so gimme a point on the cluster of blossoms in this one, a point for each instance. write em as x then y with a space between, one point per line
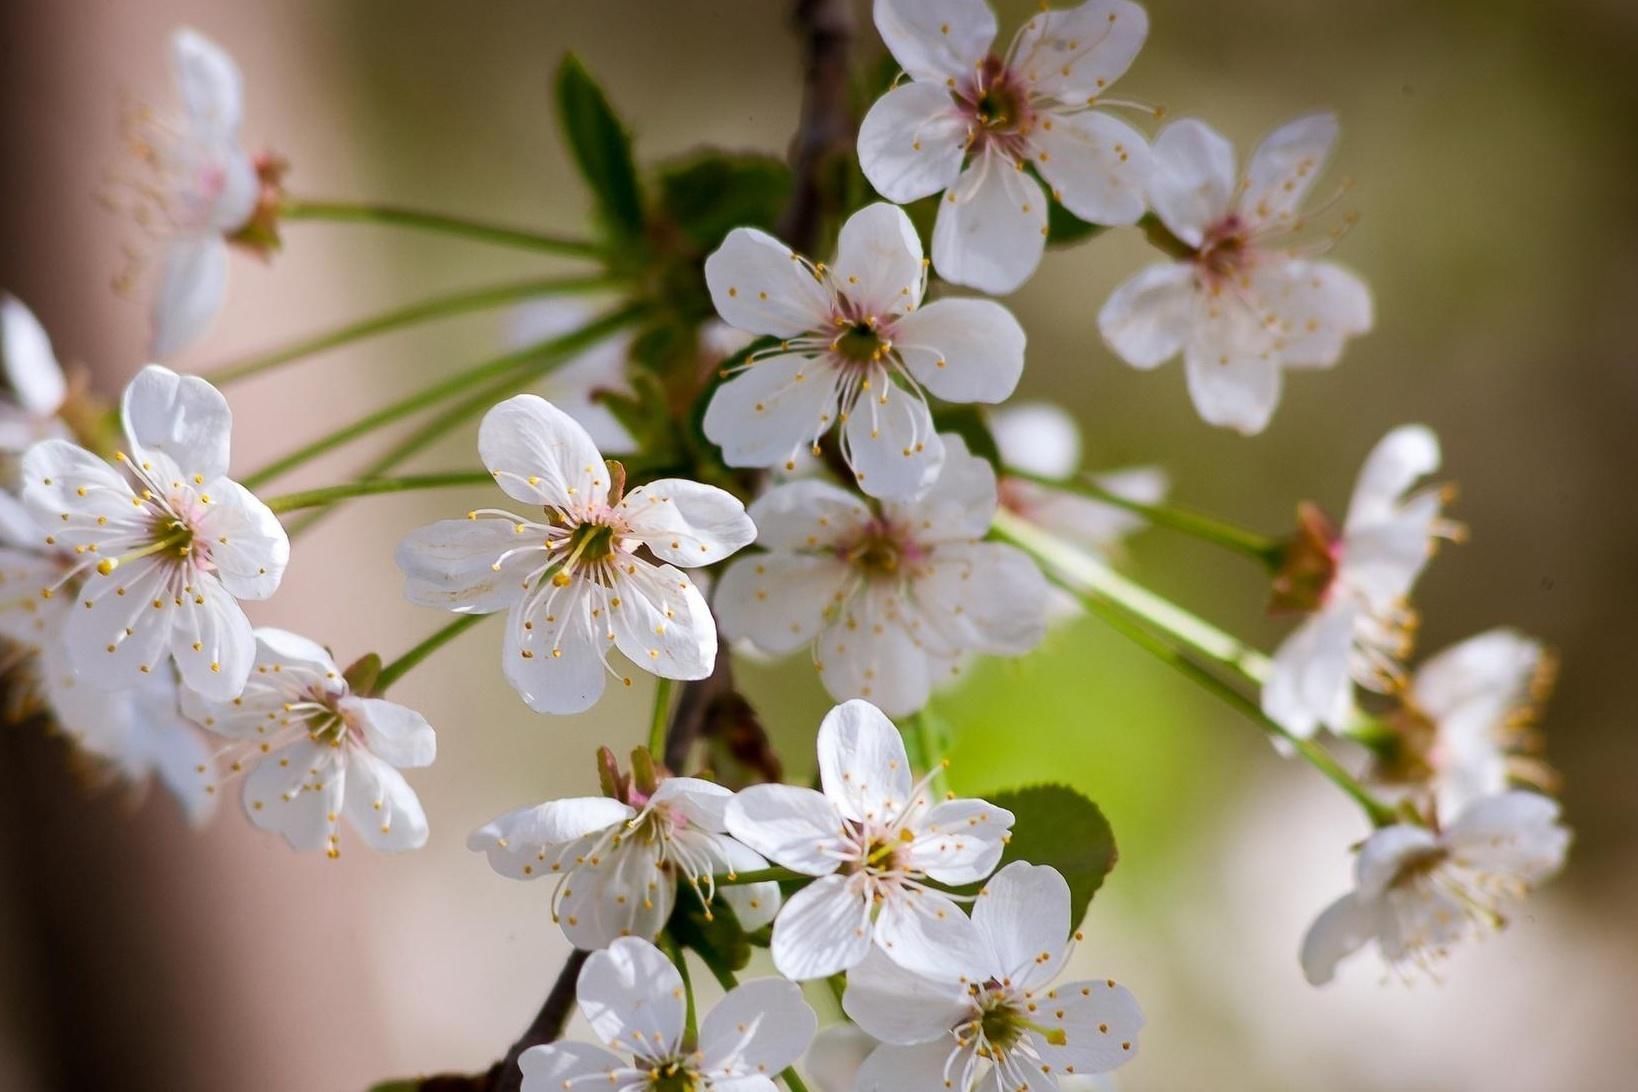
858 507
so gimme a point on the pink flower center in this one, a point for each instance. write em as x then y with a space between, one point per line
882 550
996 103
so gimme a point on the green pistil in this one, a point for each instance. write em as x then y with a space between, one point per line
860 344
672 1077
591 542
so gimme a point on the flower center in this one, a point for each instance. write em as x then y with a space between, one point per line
997 102
1226 251
880 551
1000 1021
860 343
672 1076
591 542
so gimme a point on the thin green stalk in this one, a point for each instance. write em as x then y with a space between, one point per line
728 980
423 311
401 666
930 741
758 875
318 498
1264 549
1155 636
524 363
679 959
659 720
397 216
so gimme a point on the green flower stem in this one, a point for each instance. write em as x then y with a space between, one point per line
426 310
1153 632
928 732
691 1030
759 875
659 720
1260 547
728 980
401 666
526 363
368 213
318 498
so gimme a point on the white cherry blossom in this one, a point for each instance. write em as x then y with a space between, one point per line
569 575
199 188
1041 438
873 839
636 1003
573 385
34 385
858 350
618 861
1247 298
833 1061
164 561
991 1018
1359 625
1467 717
968 122
893 597
1417 892
314 752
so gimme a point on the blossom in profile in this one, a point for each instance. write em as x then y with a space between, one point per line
35 388
991 1017
858 350
1417 891
313 752
1246 297
167 543
1465 728
980 127
618 859
570 576
1352 586
636 1003
874 840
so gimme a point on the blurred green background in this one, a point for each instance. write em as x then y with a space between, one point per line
1494 150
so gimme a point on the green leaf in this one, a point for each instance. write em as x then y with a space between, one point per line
601 147
719 940
1064 227
708 194
967 421
1055 825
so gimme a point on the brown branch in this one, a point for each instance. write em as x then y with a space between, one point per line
826 130
546 1028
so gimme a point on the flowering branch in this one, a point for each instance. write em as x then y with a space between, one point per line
824 135
426 310
362 212
317 498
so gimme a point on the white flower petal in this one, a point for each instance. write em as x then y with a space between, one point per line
191 289
878 261
1398 461
899 1006
662 623
912 142
32 373
209 82
541 455
1283 168
687 523
1386 853
759 1027
1381 560
1100 1021
960 503
837 1052
920 1068
181 417
960 841
936 42
247 543
523 844
573 385
1192 180
868 651
1150 317
862 763
564 671
1096 165
788 824
122 638
451 565
1315 306
1309 684
211 640
807 514
758 285
1023 915
985 597
75 498
778 601
395 733
297 792
1234 377
891 443
1038 437
381 806
632 997
548 1068
620 892
1074 54
754 904
991 226
704 804
1343 928
775 408
823 929
1515 834
926 932
962 350
1089 522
